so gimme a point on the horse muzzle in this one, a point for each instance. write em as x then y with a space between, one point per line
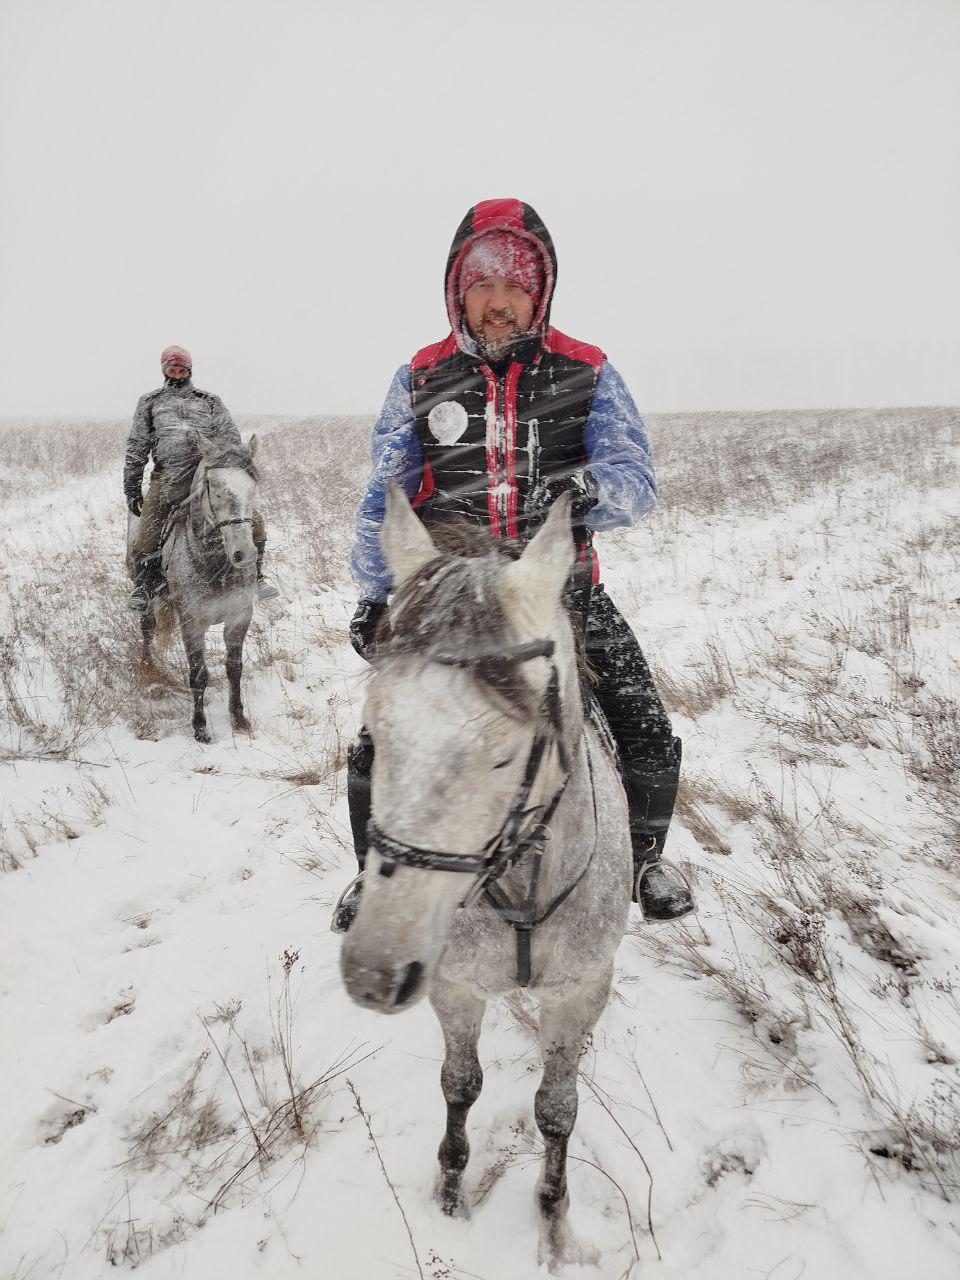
386 988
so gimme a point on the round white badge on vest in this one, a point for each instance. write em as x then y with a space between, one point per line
447 421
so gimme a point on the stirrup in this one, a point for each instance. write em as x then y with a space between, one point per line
355 883
669 867
669 870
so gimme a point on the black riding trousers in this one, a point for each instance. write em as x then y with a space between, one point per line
624 687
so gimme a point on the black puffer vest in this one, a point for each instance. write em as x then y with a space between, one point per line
489 437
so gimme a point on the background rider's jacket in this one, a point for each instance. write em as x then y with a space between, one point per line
486 436
162 427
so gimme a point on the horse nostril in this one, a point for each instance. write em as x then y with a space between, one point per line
411 981
237 557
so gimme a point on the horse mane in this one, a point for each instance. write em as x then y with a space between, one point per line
451 607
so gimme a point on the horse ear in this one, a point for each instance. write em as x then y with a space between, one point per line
406 544
252 446
542 571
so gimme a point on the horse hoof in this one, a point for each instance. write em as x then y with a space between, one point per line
202 735
241 724
560 1248
449 1196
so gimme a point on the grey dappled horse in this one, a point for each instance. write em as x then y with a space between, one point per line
210 563
485 768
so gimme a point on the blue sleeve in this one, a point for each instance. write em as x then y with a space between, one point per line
618 455
396 456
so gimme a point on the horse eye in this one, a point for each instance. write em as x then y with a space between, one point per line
502 764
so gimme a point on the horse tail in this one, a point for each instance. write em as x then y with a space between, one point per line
165 616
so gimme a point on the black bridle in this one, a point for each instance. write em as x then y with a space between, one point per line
525 829
221 524
208 560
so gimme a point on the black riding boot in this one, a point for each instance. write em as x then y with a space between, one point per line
649 753
651 793
265 588
359 767
147 578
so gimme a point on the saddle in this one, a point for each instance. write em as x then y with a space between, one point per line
595 716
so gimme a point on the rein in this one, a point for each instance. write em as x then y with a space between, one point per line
512 842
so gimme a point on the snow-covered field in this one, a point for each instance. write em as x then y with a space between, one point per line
773 1090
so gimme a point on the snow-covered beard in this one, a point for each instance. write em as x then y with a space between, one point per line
497 348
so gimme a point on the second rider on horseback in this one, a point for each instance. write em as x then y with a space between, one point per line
163 428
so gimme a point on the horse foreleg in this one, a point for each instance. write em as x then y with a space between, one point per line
193 642
564 1027
461 1079
233 638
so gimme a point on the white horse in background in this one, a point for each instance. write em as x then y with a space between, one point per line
210 564
499 846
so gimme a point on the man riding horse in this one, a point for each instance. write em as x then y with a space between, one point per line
494 423
163 428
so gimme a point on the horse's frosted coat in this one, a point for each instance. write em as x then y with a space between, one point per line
449 757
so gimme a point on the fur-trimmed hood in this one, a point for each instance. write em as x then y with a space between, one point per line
499 215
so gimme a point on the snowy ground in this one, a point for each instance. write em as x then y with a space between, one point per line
774 1088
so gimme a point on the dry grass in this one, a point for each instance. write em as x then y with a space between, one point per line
70 664
804 908
708 463
240 1109
314 471
62 815
692 811
706 680
43 455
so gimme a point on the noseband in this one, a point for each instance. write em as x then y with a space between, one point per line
513 840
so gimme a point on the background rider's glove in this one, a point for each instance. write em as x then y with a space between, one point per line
363 627
581 485
135 503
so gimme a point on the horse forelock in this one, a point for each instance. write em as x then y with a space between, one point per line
452 607
232 456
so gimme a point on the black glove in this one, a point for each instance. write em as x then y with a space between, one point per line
135 503
585 497
363 627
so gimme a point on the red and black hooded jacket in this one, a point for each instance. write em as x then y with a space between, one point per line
489 436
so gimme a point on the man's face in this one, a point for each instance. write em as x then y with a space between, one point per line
498 311
176 371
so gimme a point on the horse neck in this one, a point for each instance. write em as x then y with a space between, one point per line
206 556
198 524
564 851
560 631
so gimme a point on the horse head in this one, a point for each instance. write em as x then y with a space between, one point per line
222 494
480 645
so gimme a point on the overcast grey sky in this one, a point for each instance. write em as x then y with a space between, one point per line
755 203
